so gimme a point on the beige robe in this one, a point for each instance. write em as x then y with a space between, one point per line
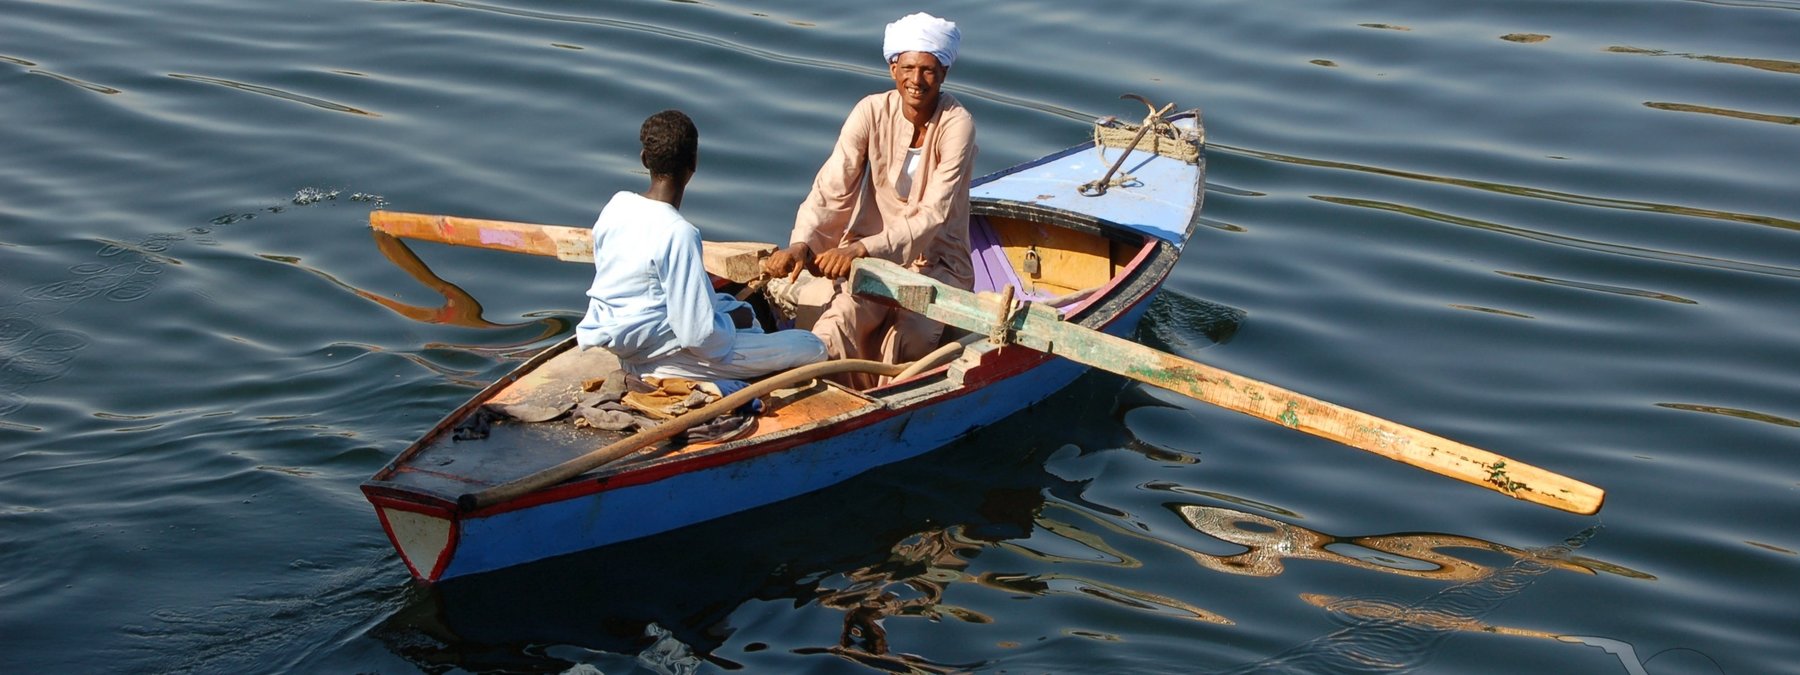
853 200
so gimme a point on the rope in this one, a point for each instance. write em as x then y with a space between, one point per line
1163 139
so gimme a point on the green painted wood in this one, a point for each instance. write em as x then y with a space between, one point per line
1042 329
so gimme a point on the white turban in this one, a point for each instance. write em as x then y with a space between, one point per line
922 33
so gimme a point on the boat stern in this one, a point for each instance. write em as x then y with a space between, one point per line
426 536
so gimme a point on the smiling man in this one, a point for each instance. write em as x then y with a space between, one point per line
896 187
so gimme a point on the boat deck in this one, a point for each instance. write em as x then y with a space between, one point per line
446 467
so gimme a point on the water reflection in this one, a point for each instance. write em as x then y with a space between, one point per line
1771 65
90 86
1269 543
910 583
1739 413
1603 288
1722 112
1520 190
276 93
1384 638
1353 610
459 307
1573 242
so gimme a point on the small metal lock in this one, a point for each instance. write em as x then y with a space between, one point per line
1033 264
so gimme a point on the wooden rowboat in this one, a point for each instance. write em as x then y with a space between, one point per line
1100 257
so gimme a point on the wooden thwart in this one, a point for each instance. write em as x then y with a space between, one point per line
1042 329
738 261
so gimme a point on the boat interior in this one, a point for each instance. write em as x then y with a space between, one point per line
1045 262
525 418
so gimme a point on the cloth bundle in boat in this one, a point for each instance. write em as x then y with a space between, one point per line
625 403
668 397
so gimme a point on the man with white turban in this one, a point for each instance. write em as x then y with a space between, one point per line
896 187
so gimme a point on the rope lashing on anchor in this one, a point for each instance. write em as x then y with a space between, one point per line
1155 135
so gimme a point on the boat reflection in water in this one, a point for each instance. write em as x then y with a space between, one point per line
1269 542
459 307
1382 635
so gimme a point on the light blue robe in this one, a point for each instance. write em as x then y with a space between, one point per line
653 306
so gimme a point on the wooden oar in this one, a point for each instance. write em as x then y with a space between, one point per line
735 260
1042 329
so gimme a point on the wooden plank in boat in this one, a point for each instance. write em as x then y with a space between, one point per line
554 386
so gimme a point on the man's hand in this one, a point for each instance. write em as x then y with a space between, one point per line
835 263
788 261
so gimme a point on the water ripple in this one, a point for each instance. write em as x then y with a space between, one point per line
1572 242
33 352
1732 412
769 55
90 86
652 29
277 93
1771 65
1269 543
1603 288
1722 112
1753 4
1404 637
1059 584
1528 192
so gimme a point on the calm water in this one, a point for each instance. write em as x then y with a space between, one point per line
1566 232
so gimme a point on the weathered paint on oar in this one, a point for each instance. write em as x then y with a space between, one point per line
1042 329
735 260
573 244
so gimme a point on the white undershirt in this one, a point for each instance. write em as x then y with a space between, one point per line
903 186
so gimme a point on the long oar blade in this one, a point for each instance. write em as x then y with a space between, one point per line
573 244
1041 328
738 261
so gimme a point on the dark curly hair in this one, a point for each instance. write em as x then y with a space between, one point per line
670 143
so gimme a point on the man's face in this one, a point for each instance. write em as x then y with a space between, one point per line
918 76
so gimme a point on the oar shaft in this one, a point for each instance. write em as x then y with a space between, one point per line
739 261
572 244
1044 330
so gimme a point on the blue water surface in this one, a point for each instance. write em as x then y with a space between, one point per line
1565 232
